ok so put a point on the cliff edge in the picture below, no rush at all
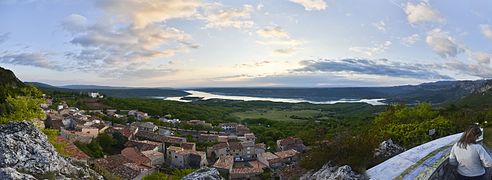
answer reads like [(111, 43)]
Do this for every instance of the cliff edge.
[(25, 153)]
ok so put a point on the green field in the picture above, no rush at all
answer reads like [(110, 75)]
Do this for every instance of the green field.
[(283, 115)]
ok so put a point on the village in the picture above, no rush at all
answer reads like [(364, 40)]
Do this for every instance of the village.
[(231, 148)]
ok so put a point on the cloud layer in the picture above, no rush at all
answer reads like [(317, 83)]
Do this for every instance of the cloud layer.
[(380, 67)]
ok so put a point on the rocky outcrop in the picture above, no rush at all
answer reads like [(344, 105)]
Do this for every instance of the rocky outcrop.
[(330, 172), (25, 153), (388, 149), (204, 173)]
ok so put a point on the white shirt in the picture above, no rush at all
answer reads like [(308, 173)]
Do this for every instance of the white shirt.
[(471, 161)]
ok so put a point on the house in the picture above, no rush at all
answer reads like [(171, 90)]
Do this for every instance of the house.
[(248, 150), (121, 167), (156, 158), (224, 164), (147, 126), (188, 146), (208, 138), (179, 157), (229, 127), (136, 156), (199, 122), (290, 143), (165, 132), (271, 160), (95, 95), (173, 121), (259, 148), (69, 123), (145, 145), (234, 128), (289, 156), (141, 116), (245, 173), (53, 120), (146, 135), (247, 137)]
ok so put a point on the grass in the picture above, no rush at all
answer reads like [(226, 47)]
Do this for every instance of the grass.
[(282, 115), (60, 147)]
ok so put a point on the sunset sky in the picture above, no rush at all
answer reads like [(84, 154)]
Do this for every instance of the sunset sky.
[(236, 43)]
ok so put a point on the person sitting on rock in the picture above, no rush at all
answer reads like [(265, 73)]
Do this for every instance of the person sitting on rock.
[(470, 157)]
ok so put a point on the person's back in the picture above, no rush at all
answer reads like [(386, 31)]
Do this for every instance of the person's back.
[(470, 157), (470, 160)]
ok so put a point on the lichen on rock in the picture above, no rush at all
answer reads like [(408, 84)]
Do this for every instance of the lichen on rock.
[(26, 152)]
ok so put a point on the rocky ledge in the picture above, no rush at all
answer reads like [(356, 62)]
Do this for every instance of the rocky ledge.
[(204, 173), (330, 172), (25, 153)]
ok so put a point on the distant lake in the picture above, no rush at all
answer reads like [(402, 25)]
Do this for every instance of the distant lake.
[(206, 96)]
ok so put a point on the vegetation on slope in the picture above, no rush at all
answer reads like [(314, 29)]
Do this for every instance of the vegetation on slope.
[(17, 101)]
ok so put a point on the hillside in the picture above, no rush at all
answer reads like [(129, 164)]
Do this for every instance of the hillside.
[(480, 98), (435, 92), (120, 92), (9, 86)]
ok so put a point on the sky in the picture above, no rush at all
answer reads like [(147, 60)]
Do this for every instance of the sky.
[(239, 43)]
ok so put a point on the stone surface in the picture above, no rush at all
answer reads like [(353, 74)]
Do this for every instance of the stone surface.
[(395, 166), (204, 173), (330, 172), (26, 150), (388, 149)]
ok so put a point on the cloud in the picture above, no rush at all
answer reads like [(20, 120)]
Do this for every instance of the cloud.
[(75, 23), (477, 70), (482, 58), (127, 34), (410, 40), (422, 12), (372, 67), (283, 51), (272, 32), (310, 5), (253, 65), (486, 31), (276, 36), (442, 44), (143, 13), (218, 16), (29, 59), (370, 51), (380, 25)]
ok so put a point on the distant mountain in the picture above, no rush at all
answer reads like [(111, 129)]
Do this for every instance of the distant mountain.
[(480, 98), (92, 87), (121, 92), (435, 93)]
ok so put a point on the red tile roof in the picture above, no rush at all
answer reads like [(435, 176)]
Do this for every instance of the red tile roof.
[(286, 154), (224, 162), (135, 156)]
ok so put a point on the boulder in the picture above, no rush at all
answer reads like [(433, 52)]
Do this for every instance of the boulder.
[(330, 172), (204, 173), (26, 152), (388, 149)]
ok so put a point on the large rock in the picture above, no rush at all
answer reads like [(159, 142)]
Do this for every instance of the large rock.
[(204, 173), (388, 149), (330, 172), (26, 152)]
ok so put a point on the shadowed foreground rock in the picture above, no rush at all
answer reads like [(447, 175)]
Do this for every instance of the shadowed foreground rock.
[(333, 173), (25, 153), (204, 173), (388, 149)]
